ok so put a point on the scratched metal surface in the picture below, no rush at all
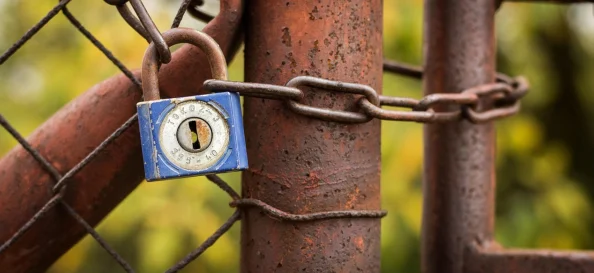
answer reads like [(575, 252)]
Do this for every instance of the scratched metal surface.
[(229, 145), (459, 157), (302, 165)]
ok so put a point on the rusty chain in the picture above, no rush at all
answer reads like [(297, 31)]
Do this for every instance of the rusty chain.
[(477, 104)]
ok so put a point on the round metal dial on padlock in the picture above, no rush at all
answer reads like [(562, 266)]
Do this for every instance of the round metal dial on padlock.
[(194, 135)]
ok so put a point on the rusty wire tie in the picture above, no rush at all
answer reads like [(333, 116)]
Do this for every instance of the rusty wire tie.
[(285, 216), (273, 212), (478, 104)]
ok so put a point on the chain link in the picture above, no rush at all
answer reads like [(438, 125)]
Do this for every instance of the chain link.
[(329, 114), (478, 104)]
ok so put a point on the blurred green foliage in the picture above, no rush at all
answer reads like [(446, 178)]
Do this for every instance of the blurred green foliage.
[(544, 154)]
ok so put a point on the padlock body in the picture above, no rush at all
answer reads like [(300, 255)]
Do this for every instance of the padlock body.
[(192, 136)]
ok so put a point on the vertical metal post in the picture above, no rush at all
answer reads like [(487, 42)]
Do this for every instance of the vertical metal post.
[(301, 165), (459, 171)]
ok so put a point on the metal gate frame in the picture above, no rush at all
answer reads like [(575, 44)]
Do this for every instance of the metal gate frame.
[(459, 171)]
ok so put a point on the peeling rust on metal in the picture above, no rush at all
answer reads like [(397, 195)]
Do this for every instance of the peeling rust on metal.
[(459, 171), (489, 257), (301, 165)]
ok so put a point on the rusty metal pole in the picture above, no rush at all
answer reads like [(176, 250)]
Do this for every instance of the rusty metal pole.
[(70, 135), (301, 165), (459, 171)]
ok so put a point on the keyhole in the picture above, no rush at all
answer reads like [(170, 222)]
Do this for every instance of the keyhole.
[(195, 140), (194, 135)]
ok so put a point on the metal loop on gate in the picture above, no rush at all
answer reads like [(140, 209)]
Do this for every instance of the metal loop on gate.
[(152, 30), (481, 117), (520, 88), (494, 90), (399, 102), (505, 100), (444, 99), (422, 110), (379, 113), (479, 113), (151, 63), (330, 114)]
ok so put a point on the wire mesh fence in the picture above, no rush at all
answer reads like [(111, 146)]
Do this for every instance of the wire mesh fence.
[(61, 181)]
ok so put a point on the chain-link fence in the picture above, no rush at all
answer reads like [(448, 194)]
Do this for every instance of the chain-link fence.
[(62, 180)]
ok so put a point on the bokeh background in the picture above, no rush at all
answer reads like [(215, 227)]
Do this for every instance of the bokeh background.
[(545, 173)]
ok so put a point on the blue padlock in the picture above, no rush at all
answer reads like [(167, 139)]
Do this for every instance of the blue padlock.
[(194, 135)]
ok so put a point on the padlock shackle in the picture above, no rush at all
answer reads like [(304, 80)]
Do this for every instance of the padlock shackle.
[(151, 62)]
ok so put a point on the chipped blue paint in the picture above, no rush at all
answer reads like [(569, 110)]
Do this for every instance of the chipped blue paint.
[(156, 164)]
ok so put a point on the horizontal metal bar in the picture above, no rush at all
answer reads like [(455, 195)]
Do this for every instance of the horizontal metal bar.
[(495, 259), (553, 1)]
